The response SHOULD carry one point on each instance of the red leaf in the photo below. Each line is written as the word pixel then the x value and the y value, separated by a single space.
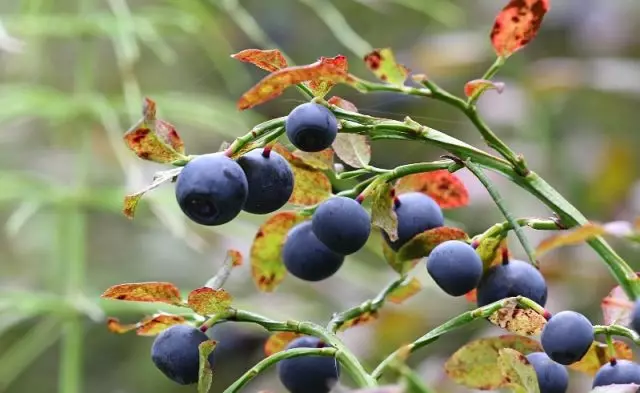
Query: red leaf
pixel 270 60
pixel 236 257
pixel 517 24
pixel 471 296
pixel 441 185
pixel 207 301
pixel 164 292
pixel 479 86
pixel 382 63
pixel 321 87
pixel 616 307
pixel 277 342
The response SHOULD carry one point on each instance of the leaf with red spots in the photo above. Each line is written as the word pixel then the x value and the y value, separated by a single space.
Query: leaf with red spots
pixel 322 160
pixel 616 307
pixel 475 364
pixel 156 324
pixel 518 373
pixel 517 24
pixel 479 86
pixel 624 388
pixel 383 214
pixel 404 291
pixel 277 342
pixel 270 60
pixel 441 185
pixel 342 103
pixel 598 355
pixel 402 267
pixel 382 63
pixel 205 373
pixel 361 319
pixel 310 186
pixel 208 301
pixel 131 200
pixel 421 245
pixel 522 321
pixel 570 237
pixel 321 86
pixel 164 292
pixel 267 268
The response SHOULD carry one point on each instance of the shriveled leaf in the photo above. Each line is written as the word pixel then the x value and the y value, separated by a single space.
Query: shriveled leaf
pixel 474 365
pixel 471 296
pixel 626 388
pixel 396 264
pixel 156 324
pixel 598 355
pixel 205 374
pixel 208 301
pixel 405 291
pixel 321 86
pixel 382 63
pixel 362 319
pixel 616 307
pixel 131 201
pixel 383 214
pixel 236 257
pixel 164 292
pixel 114 326
pixel 270 60
pixel 491 251
pixel 267 268
pixel 322 160
pixel 342 103
pixel 479 86
pixel 441 185
pixel 353 149
pixel 310 186
pixel 518 373
pixel 166 131
pixel 525 322
pixel 570 237
pixel 517 24
pixel 421 245
pixel 278 342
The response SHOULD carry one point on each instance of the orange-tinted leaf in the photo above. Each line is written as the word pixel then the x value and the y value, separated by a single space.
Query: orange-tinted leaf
pixel 517 24
pixel 131 200
pixel 321 86
pixel 166 131
pixel 405 291
pixel 236 257
pixel 322 160
pixel 524 322
pixel 382 63
pixel 517 372
pixel 616 307
pixel 278 342
pixel 441 185
pixel 475 364
pixel 207 301
pixel 342 103
pixel 353 149
pixel 491 251
pixel 310 186
pixel 471 296
pixel 570 237
pixel 205 373
pixel 396 264
pixel 270 60
pixel 383 214
pixel 267 268
pixel 359 320
pixel 114 326
pixel 625 388
pixel 598 356
pixel 164 292
pixel 155 325
pixel 421 245
pixel 479 86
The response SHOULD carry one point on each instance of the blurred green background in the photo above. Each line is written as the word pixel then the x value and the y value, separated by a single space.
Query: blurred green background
pixel 72 78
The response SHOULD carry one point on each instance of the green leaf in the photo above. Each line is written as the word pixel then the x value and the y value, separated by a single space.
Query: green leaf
pixel 205 375
pixel 519 375
pixel 423 243
pixel 383 214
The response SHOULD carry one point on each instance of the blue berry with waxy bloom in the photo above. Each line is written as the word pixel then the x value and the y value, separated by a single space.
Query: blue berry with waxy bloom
pixel 311 127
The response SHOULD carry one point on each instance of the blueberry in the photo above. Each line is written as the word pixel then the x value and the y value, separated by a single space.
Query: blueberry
pixel 175 353
pixel 552 377
pixel 341 224
pixel 212 189
pixel 311 127
pixel 635 317
pixel 515 278
pixel 617 372
pixel 308 374
pixel 455 267
pixel 270 180
pixel 308 258
pixel 416 213
pixel 567 337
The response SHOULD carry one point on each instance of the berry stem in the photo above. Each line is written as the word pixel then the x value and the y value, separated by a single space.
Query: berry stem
pixel 617 330
pixel 273 126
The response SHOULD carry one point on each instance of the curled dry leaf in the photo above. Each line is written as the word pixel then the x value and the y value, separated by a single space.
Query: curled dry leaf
pixel 441 185
pixel 382 62
pixel 518 374
pixel 517 24
pixel 236 257
pixel 147 327
pixel 383 214
pixel 131 200
pixel 278 342
pixel 361 319
pixel 479 86
pixel 310 185
pixel 616 307
pixel 164 292
pixel 421 245
pixel 205 373
pixel 208 301
pixel 598 355
pixel 342 103
pixel 523 321
pixel 270 60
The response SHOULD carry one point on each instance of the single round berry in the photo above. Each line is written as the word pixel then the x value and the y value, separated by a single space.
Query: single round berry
pixel 308 374
pixel 514 278
pixel 455 267
pixel 567 337
pixel 552 377
pixel 212 189
pixel 635 317
pixel 175 353
pixel 416 213
pixel 341 224
pixel 270 181
pixel 311 127
pixel 618 372
pixel 306 257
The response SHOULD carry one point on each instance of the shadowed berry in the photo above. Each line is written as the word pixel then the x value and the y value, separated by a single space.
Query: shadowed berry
pixel 567 337
pixel 416 213
pixel 455 267
pixel 514 278
pixel 618 372
pixel 552 377
pixel 175 353
pixel 311 127
pixel 270 181
pixel 211 189
pixel 308 258
pixel 308 374
pixel 635 317
pixel 341 224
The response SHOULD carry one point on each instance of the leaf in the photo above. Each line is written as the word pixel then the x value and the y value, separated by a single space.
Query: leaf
pixel 166 131
pixel 156 324
pixel 164 292
pixel 270 60
pixel 353 149
pixel 344 104
pixel 236 257
pixel 208 301
pixel 479 86
pixel 321 86
pixel 570 237
pixel 441 185
pixel 322 160
pixel 114 326
pixel 491 251
pixel 382 63
pixel 396 264
pixel 626 388
pixel 383 214
pixel 616 307
pixel 267 268
pixel 598 355
pixel 131 201
pixel 366 317
pixel 406 290
pixel 518 373
pixel 310 186
pixel 471 296
pixel 517 24
pixel 421 245
pixel 474 365
pixel 205 373
pixel 525 322
pixel 278 342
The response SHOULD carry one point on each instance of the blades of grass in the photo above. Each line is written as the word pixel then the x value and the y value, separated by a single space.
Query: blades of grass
pixel 20 216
